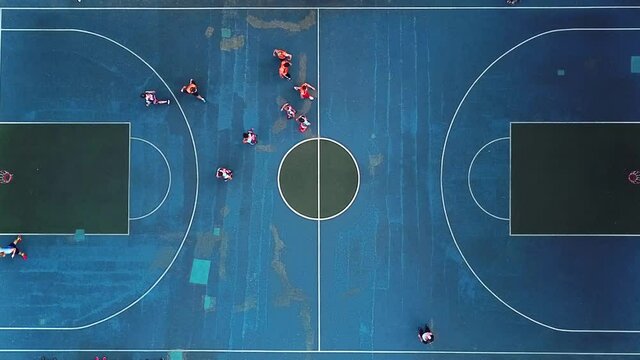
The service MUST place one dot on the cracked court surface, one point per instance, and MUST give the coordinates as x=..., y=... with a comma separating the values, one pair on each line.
x=213, y=270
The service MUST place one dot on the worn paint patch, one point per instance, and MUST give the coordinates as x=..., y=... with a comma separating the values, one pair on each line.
x=374, y=162
x=209, y=32
x=304, y=24
x=210, y=303
x=232, y=43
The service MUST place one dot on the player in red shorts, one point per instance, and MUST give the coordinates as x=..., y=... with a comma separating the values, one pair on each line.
x=249, y=137
x=304, y=91
x=304, y=123
x=282, y=54
x=289, y=110
x=224, y=174
x=283, y=71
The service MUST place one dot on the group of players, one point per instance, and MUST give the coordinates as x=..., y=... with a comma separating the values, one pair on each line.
x=285, y=64
x=250, y=136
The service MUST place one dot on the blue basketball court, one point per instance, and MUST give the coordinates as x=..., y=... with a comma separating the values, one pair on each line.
x=422, y=97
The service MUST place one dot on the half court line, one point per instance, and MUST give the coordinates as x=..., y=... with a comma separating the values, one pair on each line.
x=318, y=121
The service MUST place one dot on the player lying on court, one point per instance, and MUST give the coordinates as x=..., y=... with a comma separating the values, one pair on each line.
x=149, y=97
x=12, y=249
x=224, y=174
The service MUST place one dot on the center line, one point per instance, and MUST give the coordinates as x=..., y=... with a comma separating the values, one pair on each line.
x=318, y=121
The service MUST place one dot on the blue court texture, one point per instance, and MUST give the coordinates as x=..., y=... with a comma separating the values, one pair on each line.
x=423, y=98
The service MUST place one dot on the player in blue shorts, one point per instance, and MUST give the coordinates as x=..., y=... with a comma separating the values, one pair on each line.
x=12, y=249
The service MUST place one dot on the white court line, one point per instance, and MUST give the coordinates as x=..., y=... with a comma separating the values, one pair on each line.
x=168, y=186
x=469, y=179
x=364, y=352
x=318, y=121
x=570, y=235
x=574, y=122
x=195, y=202
x=505, y=8
x=444, y=205
x=129, y=185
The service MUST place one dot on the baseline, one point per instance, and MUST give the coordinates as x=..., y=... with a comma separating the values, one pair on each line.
x=195, y=203
x=168, y=186
x=444, y=205
x=469, y=179
x=354, y=352
x=196, y=8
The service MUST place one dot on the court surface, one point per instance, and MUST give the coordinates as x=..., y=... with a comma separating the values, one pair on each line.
x=421, y=99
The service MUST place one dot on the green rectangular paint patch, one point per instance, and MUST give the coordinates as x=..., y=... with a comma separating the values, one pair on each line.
x=216, y=231
x=200, y=271
x=175, y=355
x=560, y=72
x=635, y=64
x=225, y=32
x=209, y=303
